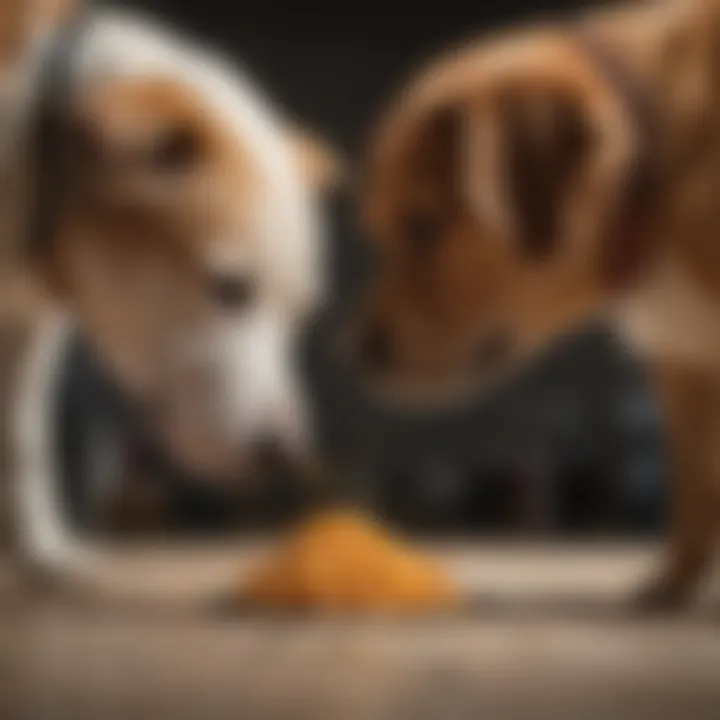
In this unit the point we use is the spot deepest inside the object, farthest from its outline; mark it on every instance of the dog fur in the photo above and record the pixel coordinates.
(189, 253)
(503, 203)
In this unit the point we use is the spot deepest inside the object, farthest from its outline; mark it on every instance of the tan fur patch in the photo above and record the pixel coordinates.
(21, 19)
(133, 112)
(155, 144)
(320, 164)
(14, 29)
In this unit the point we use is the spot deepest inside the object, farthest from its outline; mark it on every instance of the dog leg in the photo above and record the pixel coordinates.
(691, 402)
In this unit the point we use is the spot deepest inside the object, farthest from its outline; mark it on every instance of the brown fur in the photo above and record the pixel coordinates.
(20, 18)
(502, 200)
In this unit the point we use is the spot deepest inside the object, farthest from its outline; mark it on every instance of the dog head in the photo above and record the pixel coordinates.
(496, 198)
(189, 248)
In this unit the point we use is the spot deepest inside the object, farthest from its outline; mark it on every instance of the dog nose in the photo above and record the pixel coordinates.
(376, 347)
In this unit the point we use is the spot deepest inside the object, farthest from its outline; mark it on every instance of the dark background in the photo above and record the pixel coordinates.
(573, 447)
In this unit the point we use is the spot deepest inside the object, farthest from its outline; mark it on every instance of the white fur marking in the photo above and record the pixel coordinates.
(45, 536)
(668, 318)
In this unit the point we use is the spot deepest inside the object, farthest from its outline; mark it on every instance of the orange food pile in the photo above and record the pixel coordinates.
(343, 561)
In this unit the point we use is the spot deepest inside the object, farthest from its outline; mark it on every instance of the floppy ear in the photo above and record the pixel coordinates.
(320, 164)
(545, 167)
(510, 160)
(526, 153)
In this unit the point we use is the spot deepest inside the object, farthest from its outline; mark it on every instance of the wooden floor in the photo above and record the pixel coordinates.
(545, 636)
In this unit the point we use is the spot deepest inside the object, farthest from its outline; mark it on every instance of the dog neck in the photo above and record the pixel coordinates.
(671, 49)
(630, 240)
(671, 52)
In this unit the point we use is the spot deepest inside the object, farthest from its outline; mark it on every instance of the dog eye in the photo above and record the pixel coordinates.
(422, 230)
(232, 292)
(175, 150)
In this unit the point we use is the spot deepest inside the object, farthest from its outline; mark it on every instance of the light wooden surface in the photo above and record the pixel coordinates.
(547, 636)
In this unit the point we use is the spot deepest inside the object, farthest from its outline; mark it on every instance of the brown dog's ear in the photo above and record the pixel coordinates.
(319, 163)
(547, 139)
(441, 153)
(526, 152)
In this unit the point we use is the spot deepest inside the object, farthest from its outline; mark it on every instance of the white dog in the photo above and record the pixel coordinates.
(186, 245)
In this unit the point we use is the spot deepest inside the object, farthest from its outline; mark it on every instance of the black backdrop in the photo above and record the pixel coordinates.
(574, 443)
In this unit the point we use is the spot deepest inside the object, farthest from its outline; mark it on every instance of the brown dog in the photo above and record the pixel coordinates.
(519, 187)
